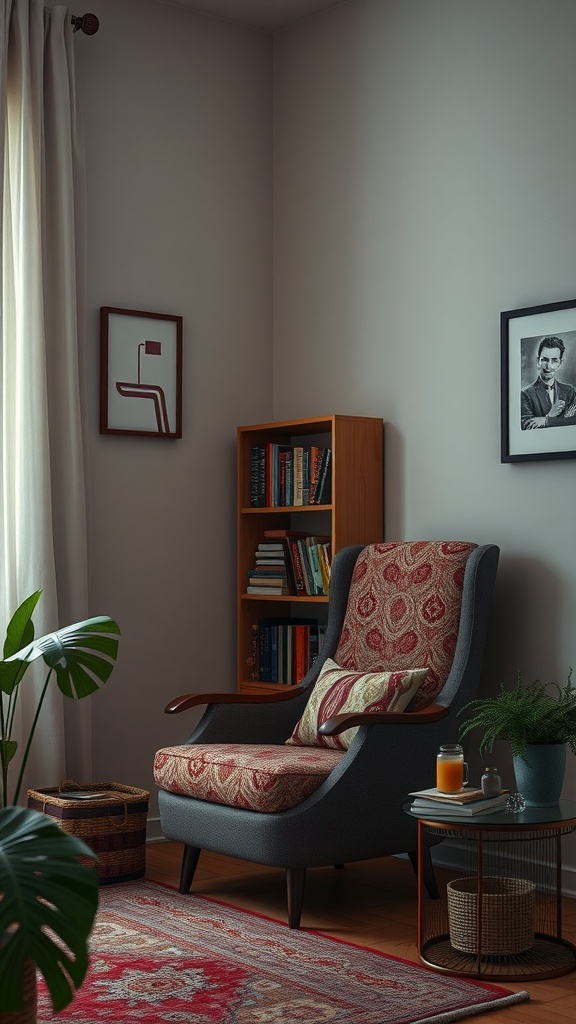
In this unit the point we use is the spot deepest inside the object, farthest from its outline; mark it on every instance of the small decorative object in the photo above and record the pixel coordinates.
(538, 346)
(140, 373)
(515, 803)
(491, 782)
(539, 725)
(451, 769)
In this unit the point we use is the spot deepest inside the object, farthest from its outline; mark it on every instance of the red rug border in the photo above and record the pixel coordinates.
(486, 985)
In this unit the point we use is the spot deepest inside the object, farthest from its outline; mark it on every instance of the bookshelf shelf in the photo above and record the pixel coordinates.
(286, 508)
(354, 515)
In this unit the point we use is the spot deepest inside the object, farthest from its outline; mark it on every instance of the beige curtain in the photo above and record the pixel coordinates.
(42, 491)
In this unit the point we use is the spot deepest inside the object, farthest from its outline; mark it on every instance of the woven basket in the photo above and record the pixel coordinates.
(114, 827)
(507, 915)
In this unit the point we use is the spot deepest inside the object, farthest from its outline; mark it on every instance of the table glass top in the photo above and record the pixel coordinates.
(563, 812)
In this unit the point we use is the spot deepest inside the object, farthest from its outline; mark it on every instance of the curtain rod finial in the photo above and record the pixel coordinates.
(87, 23)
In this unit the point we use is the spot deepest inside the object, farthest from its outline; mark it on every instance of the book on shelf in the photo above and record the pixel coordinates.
(306, 475)
(297, 567)
(324, 559)
(255, 580)
(444, 809)
(312, 552)
(281, 534)
(268, 591)
(323, 492)
(316, 455)
(258, 476)
(309, 586)
(285, 475)
(279, 643)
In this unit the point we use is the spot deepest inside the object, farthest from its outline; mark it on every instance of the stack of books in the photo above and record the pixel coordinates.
(467, 801)
(269, 575)
(291, 562)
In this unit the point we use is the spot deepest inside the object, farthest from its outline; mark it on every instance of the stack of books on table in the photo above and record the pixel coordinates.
(467, 801)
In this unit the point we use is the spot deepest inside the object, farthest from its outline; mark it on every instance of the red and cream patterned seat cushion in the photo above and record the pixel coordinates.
(257, 777)
(404, 609)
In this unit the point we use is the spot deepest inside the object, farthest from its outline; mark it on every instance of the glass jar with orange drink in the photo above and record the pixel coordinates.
(451, 768)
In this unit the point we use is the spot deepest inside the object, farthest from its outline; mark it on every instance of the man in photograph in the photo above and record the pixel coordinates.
(548, 402)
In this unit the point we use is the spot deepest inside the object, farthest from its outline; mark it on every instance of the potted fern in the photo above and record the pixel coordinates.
(47, 898)
(539, 726)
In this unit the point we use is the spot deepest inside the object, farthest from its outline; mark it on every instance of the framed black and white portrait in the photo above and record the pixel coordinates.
(538, 382)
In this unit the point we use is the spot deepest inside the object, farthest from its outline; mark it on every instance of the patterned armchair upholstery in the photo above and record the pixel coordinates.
(243, 786)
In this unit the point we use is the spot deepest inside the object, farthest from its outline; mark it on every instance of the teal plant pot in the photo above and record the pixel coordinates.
(541, 779)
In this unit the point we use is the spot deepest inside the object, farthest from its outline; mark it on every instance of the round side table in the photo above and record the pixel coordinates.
(511, 870)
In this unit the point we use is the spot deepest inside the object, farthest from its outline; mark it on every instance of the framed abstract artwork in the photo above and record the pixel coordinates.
(140, 373)
(538, 382)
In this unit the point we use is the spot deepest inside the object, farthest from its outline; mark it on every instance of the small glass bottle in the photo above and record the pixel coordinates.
(491, 782)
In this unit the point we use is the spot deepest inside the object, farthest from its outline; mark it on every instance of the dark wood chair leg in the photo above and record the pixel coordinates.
(427, 873)
(295, 879)
(189, 864)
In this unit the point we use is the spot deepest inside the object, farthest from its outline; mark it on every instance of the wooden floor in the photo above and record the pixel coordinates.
(372, 903)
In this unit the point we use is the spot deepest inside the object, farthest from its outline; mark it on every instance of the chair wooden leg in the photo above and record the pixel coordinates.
(189, 864)
(295, 879)
(427, 872)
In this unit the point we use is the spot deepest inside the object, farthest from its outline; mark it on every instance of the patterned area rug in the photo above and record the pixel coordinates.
(160, 958)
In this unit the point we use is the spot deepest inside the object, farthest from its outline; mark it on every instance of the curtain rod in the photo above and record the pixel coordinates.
(87, 23)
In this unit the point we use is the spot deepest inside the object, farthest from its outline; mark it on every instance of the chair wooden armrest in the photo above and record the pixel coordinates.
(339, 723)
(191, 700)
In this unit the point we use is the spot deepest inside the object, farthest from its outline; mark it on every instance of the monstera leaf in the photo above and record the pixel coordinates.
(48, 901)
(68, 652)
(81, 656)
(19, 633)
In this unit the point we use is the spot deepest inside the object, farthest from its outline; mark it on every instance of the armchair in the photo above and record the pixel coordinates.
(236, 786)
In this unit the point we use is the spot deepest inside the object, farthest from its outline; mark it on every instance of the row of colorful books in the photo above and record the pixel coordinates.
(284, 649)
(290, 475)
(292, 563)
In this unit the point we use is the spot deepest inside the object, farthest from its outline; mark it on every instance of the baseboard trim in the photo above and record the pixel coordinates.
(154, 831)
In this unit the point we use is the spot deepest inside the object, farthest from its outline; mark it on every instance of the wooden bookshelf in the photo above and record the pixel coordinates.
(354, 514)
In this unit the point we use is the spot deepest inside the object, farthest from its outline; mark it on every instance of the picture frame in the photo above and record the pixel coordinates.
(538, 382)
(140, 373)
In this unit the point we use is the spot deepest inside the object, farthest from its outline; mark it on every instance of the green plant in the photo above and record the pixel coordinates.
(525, 715)
(81, 657)
(48, 901)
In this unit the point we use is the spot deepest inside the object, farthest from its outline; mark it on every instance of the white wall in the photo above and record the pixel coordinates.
(425, 181)
(178, 126)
